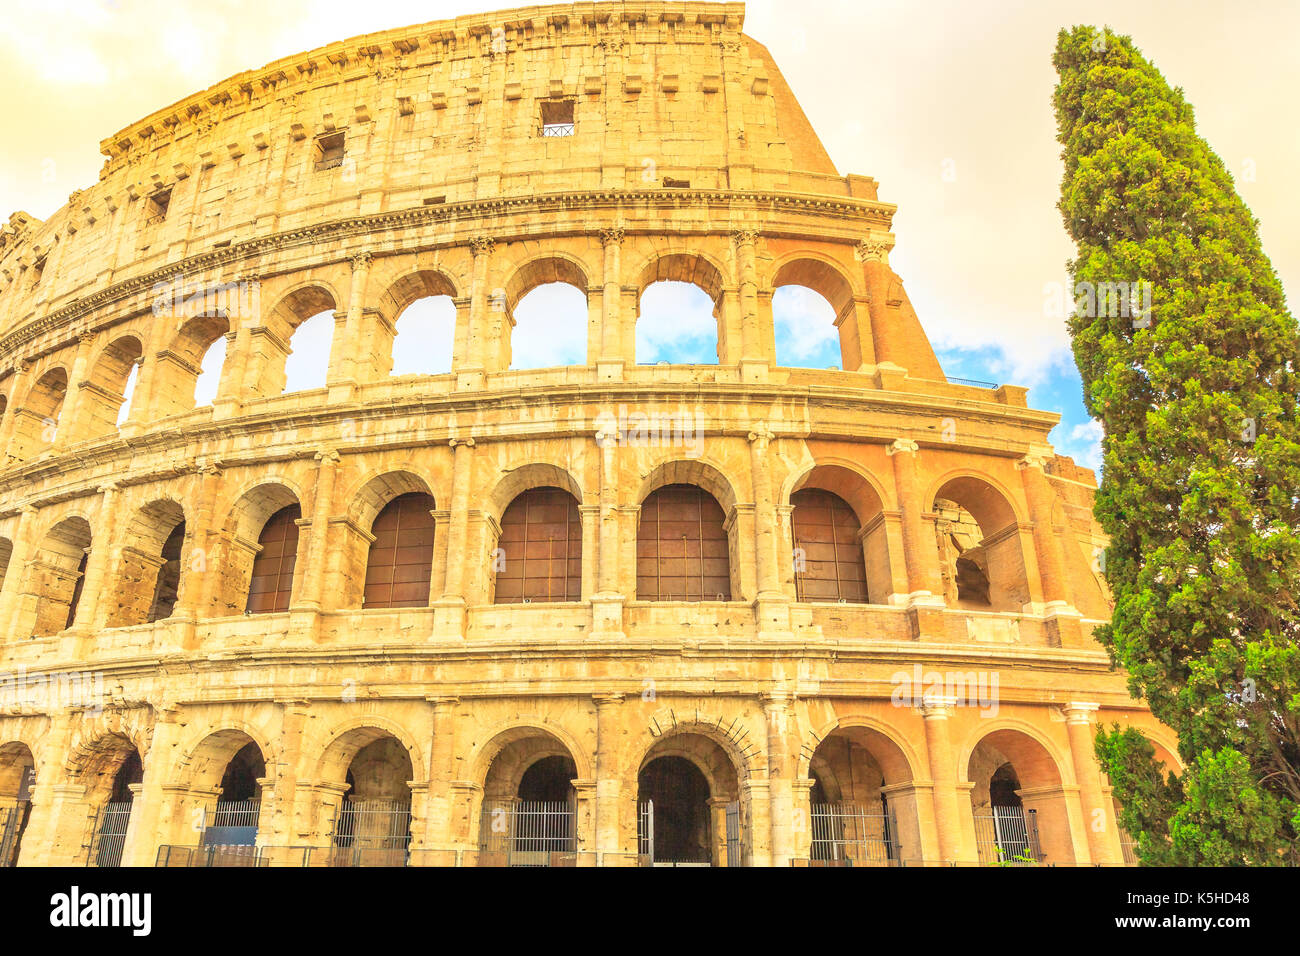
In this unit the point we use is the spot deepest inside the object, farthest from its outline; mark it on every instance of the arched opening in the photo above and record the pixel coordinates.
(189, 373)
(17, 777)
(528, 813)
(57, 575)
(6, 554)
(679, 312)
(230, 833)
(38, 420)
(113, 376)
(829, 563)
(400, 564)
(814, 315)
(682, 547)
(292, 352)
(543, 311)
(539, 556)
(149, 567)
(689, 808)
(270, 586)
(111, 769)
(1017, 801)
(862, 806)
(307, 365)
(424, 335)
(803, 329)
(982, 562)
(373, 824)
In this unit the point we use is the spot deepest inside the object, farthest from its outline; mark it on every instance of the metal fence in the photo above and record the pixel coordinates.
(735, 848)
(13, 820)
(1008, 835)
(527, 833)
(1128, 846)
(368, 833)
(233, 824)
(850, 834)
(109, 837)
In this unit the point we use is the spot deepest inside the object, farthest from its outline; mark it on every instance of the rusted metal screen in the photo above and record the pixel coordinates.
(541, 546)
(828, 554)
(681, 548)
(401, 556)
(273, 567)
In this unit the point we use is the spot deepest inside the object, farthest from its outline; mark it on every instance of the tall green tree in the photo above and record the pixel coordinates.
(1201, 472)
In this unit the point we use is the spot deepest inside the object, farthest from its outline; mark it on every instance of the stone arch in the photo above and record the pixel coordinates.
(365, 503)
(106, 394)
(248, 516)
(38, 420)
(504, 735)
(408, 307)
(95, 761)
(526, 477)
(691, 471)
(55, 577)
(545, 269)
(373, 492)
(898, 758)
(828, 278)
(177, 370)
(865, 497)
(150, 565)
(1011, 764)
(204, 760)
(693, 268)
(984, 565)
(345, 740)
(537, 554)
(271, 345)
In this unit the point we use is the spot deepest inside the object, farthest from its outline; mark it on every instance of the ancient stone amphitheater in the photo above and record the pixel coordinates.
(605, 614)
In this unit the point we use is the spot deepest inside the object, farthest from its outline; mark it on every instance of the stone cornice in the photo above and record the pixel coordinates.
(229, 258)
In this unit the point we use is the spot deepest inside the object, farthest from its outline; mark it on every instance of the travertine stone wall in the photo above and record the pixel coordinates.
(690, 160)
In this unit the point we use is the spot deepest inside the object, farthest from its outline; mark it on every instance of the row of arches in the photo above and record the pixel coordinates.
(686, 797)
(385, 553)
(541, 316)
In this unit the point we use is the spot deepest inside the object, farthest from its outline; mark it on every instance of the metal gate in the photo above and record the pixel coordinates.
(234, 823)
(848, 834)
(528, 832)
(371, 833)
(1008, 835)
(13, 820)
(735, 848)
(645, 832)
(109, 838)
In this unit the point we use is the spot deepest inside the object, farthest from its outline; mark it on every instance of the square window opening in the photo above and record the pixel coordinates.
(156, 208)
(557, 118)
(329, 150)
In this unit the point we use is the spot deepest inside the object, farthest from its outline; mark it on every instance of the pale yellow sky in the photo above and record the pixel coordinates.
(946, 103)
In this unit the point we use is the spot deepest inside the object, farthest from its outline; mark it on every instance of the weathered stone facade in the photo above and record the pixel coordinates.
(689, 160)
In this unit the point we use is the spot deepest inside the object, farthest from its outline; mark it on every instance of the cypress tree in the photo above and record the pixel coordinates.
(1188, 357)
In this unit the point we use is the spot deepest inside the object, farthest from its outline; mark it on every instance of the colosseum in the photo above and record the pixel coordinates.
(617, 613)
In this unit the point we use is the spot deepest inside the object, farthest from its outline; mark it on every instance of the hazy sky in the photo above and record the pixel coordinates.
(947, 104)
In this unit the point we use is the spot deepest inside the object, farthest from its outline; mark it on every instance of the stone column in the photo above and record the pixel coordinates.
(947, 808)
(16, 577)
(70, 427)
(874, 254)
(608, 782)
(311, 594)
(471, 371)
(609, 364)
(919, 554)
(279, 820)
(141, 848)
(144, 402)
(230, 388)
(449, 611)
(754, 364)
(607, 602)
(780, 776)
(346, 345)
(91, 611)
(442, 771)
(199, 572)
(773, 604)
(17, 399)
(1098, 815)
